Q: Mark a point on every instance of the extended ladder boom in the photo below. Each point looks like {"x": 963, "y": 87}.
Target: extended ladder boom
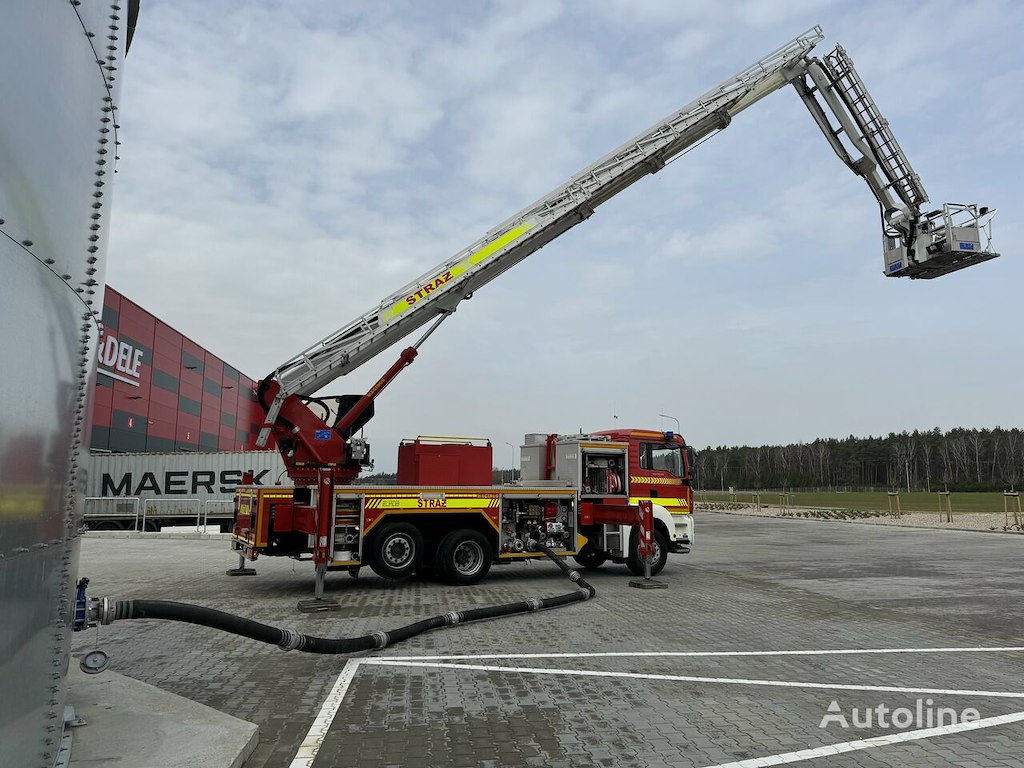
{"x": 916, "y": 244}
{"x": 439, "y": 291}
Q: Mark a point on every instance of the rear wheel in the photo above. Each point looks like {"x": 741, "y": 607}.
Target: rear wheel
{"x": 396, "y": 550}
{"x": 463, "y": 557}
{"x": 635, "y": 562}
{"x": 590, "y": 557}
{"x": 106, "y": 525}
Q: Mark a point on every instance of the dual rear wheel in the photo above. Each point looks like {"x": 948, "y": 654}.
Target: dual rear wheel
{"x": 396, "y": 551}
{"x": 462, "y": 557}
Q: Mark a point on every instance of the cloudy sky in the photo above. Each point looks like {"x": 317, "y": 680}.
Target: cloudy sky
{"x": 285, "y": 165}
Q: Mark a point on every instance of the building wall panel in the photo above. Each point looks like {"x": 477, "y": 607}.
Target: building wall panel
{"x": 159, "y": 390}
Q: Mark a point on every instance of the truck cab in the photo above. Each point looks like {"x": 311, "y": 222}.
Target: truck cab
{"x": 613, "y": 471}
{"x": 659, "y": 470}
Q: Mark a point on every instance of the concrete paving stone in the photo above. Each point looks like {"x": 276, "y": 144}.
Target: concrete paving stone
{"x": 751, "y": 584}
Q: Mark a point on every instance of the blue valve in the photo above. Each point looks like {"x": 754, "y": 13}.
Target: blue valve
{"x": 81, "y": 606}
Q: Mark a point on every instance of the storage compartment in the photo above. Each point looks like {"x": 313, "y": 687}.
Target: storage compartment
{"x": 444, "y": 461}
{"x": 603, "y": 474}
{"x": 347, "y": 525}
{"x": 592, "y": 464}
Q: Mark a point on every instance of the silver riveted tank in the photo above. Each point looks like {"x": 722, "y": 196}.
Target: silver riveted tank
{"x": 61, "y": 68}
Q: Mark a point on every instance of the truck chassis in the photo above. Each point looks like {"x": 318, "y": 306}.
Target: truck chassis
{"x": 456, "y": 532}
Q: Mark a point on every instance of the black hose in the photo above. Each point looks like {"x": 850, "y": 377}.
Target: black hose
{"x": 290, "y": 640}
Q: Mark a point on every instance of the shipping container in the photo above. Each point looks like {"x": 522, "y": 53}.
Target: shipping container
{"x": 152, "y": 490}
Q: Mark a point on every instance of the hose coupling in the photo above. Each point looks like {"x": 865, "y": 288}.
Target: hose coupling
{"x": 291, "y": 640}
{"x": 102, "y": 610}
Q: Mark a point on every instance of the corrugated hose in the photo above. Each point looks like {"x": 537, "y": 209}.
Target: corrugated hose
{"x": 291, "y": 640}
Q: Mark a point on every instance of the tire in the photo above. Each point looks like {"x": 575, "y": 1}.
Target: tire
{"x": 463, "y": 557}
{"x": 590, "y": 557}
{"x": 106, "y": 525}
{"x": 396, "y": 550}
{"x": 636, "y": 564}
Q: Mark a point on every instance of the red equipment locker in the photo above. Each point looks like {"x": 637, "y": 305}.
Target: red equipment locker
{"x": 428, "y": 461}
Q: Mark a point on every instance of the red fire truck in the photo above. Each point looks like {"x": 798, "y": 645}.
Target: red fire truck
{"x": 578, "y": 496}
{"x": 579, "y": 492}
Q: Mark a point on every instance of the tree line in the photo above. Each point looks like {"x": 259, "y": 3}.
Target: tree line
{"x": 958, "y": 460}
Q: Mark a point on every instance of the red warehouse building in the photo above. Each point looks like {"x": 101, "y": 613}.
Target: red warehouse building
{"x": 158, "y": 391}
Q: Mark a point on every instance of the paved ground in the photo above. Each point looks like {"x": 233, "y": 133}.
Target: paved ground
{"x": 751, "y": 586}
{"x": 966, "y": 521}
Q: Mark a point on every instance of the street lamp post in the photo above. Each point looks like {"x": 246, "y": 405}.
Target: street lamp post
{"x": 666, "y": 416}
{"x": 512, "y": 470}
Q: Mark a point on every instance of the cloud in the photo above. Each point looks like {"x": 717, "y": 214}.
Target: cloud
{"x": 286, "y": 165}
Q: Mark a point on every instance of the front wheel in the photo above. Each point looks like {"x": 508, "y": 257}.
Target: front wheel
{"x": 590, "y": 557}
{"x": 396, "y": 550}
{"x": 635, "y": 562}
{"x": 463, "y": 557}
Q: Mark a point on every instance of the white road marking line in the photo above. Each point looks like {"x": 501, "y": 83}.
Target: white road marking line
{"x": 638, "y": 654}
{"x": 877, "y": 741}
{"x": 310, "y": 747}
{"x": 693, "y": 679}
{"x": 322, "y": 724}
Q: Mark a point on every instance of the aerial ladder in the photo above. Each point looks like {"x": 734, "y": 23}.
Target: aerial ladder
{"x": 317, "y": 436}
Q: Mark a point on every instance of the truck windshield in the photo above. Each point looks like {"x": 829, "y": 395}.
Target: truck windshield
{"x": 666, "y": 457}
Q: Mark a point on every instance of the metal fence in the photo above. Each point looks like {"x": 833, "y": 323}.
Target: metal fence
{"x": 217, "y": 508}
{"x": 735, "y": 490}
{"x": 168, "y": 509}
{"x": 135, "y": 512}
{"x": 111, "y": 508}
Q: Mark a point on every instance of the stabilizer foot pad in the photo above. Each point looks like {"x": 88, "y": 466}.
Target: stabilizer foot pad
{"x": 240, "y": 571}
{"x": 316, "y": 606}
{"x": 648, "y": 584}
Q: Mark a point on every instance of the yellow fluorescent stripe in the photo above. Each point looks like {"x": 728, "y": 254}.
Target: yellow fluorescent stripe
{"x": 385, "y": 513}
{"x": 657, "y": 480}
{"x": 431, "y": 504}
{"x": 665, "y": 502}
{"x": 495, "y": 245}
{"x": 413, "y": 492}
{"x": 450, "y": 274}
